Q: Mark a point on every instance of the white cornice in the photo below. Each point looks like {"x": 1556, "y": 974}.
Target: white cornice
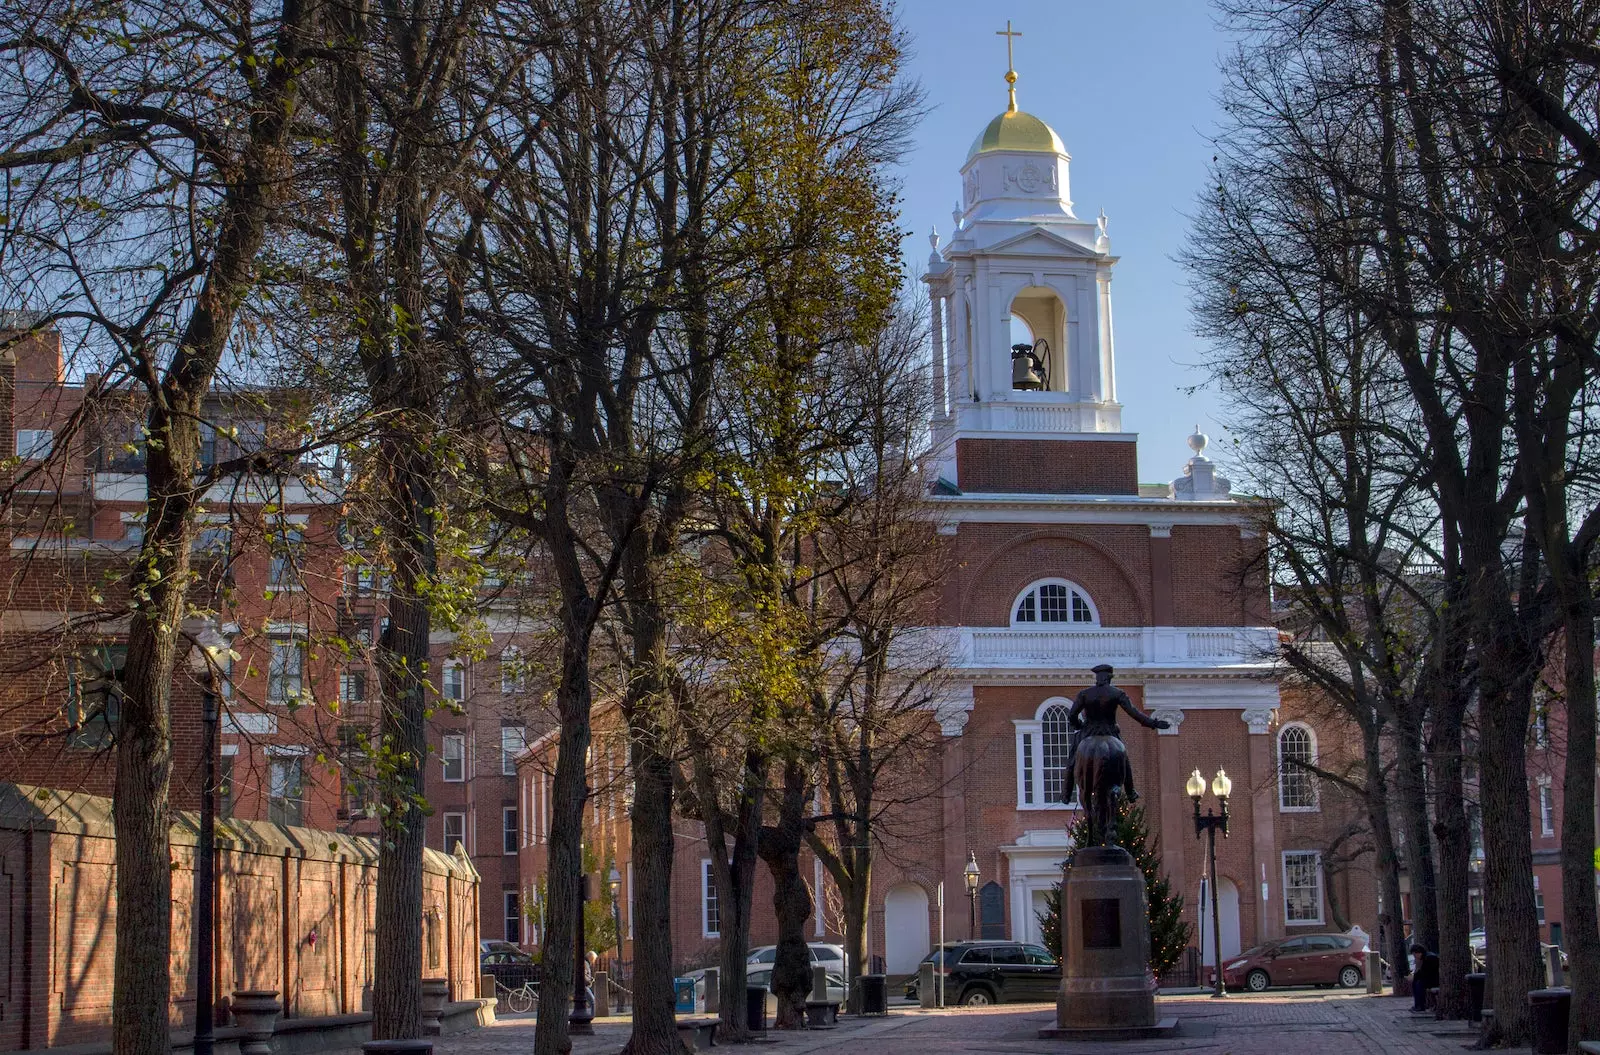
{"x": 982, "y": 508}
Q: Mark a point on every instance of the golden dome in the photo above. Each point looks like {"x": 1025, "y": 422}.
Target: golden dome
{"x": 1015, "y": 130}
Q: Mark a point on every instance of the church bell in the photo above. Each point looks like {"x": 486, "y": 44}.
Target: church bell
{"x": 1028, "y": 369}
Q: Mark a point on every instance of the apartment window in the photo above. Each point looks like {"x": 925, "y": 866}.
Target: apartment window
{"x": 94, "y": 696}
{"x": 285, "y": 669}
{"x": 1538, "y": 900}
{"x": 1547, "y": 807}
{"x": 352, "y": 686}
{"x": 454, "y": 680}
{"x": 710, "y": 919}
{"x": 508, "y": 822}
{"x": 1042, "y": 757}
{"x": 1302, "y": 886}
{"x": 1297, "y": 748}
{"x": 513, "y": 903}
{"x": 513, "y": 675}
{"x": 225, "y": 783}
{"x": 453, "y": 754}
{"x": 513, "y": 738}
{"x": 35, "y": 444}
{"x": 1541, "y": 726}
{"x": 1054, "y": 601}
{"x": 365, "y": 578}
{"x": 285, "y": 790}
{"x": 455, "y": 831}
{"x": 287, "y": 546}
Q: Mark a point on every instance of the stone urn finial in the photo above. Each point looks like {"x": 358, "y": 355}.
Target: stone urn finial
{"x": 256, "y": 1011}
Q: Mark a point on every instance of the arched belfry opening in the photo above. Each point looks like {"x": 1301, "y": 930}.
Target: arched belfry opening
{"x": 1039, "y": 320}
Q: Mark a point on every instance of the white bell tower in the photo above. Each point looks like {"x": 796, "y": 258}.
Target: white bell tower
{"x": 1019, "y": 253}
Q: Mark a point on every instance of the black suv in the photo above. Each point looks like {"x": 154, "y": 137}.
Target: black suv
{"x": 989, "y": 972}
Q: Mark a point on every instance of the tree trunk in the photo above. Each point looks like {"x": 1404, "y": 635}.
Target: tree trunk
{"x": 1454, "y": 840}
{"x": 655, "y": 1030}
{"x": 1505, "y": 697}
{"x": 1392, "y": 944}
{"x": 1582, "y": 932}
{"x": 791, "y": 901}
{"x": 734, "y": 874}
{"x": 1412, "y": 800}
{"x": 856, "y": 896}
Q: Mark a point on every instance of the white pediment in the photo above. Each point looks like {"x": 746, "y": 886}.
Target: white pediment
{"x": 1040, "y": 241}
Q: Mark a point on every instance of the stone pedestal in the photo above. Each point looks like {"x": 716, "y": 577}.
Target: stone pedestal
{"x": 1107, "y": 989}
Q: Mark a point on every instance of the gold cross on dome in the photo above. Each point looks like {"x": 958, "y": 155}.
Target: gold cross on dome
{"x": 1011, "y": 65}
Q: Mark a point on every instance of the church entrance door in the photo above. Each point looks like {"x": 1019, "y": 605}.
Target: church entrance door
{"x": 905, "y": 926}
{"x": 1228, "y": 906}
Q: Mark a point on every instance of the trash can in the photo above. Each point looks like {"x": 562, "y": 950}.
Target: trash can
{"x": 755, "y": 1008}
{"x": 874, "y": 994}
{"x": 683, "y": 992}
{"x": 1475, "y": 988}
{"x": 1548, "y": 1008}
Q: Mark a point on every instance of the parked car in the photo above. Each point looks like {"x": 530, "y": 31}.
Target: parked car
{"x": 822, "y": 955}
{"x": 512, "y": 968}
{"x": 762, "y": 976}
{"x": 1478, "y": 948}
{"x": 1305, "y": 959}
{"x": 991, "y": 972}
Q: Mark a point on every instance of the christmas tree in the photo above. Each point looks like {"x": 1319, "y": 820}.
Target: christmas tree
{"x": 1169, "y": 934}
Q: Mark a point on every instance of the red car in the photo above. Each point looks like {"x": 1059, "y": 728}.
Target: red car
{"x": 1305, "y": 959}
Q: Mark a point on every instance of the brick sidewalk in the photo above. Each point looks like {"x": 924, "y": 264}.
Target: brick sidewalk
{"x": 1290, "y": 1023}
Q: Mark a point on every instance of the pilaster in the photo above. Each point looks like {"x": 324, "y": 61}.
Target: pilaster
{"x": 1264, "y": 827}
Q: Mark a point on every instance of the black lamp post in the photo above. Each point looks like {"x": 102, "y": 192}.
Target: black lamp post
{"x": 1209, "y": 824}
{"x": 204, "y": 659}
{"x": 972, "y": 875}
{"x": 581, "y": 1020}
{"x": 614, "y": 881}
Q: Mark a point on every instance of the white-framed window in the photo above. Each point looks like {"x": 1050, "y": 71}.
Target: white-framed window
{"x": 1541, "y": 726}
{"x": 513, "y": 675}
{"x": 1302, "y": 886}
{"x": 453, "y": 756}
{"x": 288, "y": 548}
{"x": 1054, "y": 601}
{"x": 513, "y": 903}
{"x": 453, "y": 680}
{"x": 285, "y": 669}
{"x": 455, "y": 831}
{"x": 35, "y": 445}
{"x": 710, "y": 918}
{"x": 1042, "y": 743}
{"x": 286, "y": 796}
{"x": 352, "y": 686}
{"x": 508, "y": 824}
{"x": 1547, "y": 807}
{"x": 513, "y": 738}
{"x": 1538, "y": 901}
{"x": 1297, "y": 786}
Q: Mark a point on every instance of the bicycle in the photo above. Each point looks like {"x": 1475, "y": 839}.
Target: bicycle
{"x": 520, "y": 1000}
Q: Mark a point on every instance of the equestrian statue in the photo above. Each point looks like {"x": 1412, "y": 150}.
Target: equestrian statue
{"x": 1097, "y": 761}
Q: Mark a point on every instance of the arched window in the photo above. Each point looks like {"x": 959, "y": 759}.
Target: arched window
{"x": 1054, "y": 601}
{"x": 1053, "y": 734}
{"x": 1042, "y": 743}
{"x": 1297, "y": 786}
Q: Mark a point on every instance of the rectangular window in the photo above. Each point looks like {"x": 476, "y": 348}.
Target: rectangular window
{"x": 287, "y": 548}
{"x": 285, "y": 669}
{"x": 94, "y": 696}
{"x": 35, "y": 445}
{"x": 208, "y": 445}
{"x": 455, "y": 681}
{"x": 508, "y": 815}
{"x": 710, "y": 919}
{"x": 1541, "y": 727}
{"x": 513, "y": 902}
{"x": 453, "y": 753}
{"x": 225, "y": 787}
{"x": 513, "y": 738}
{"x": 1547, "y": 809}
{"x": 1027, "y": 769}
{"x": 285, "y": 791}
{"x": 1302, "y": 886}
{"x": 455, "y": 831}
{"x": 352, "y": 686}
{"x": 513, "y": 673}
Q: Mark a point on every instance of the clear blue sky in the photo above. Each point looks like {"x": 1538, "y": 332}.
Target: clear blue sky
{"x": 1129, "y": 86}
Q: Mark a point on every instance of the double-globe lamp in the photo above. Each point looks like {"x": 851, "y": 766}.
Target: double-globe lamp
{"x": 1209, "y": 824}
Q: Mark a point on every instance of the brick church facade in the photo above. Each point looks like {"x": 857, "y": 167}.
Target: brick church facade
{"x": 1059, "y": 560}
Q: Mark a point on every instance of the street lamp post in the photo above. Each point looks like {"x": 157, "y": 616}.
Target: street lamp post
{"x": 972, "y": 875}
{"x": 1210, "y": 824}
{"x": 614, "y": 881}
{"x": 581, "y": 1021}
{"x": 203, "y": 662}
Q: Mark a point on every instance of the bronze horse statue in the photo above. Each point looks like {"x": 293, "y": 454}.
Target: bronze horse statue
{"x": 1099, "y": 764}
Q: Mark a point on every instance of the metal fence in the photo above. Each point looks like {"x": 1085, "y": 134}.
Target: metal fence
{"x": 1185, "y": 974}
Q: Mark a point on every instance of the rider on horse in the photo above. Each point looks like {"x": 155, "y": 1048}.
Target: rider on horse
{"x": 1094, "y": 713}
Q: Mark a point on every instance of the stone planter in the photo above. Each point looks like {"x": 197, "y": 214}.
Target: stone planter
{"x": 255, "y": 1011}
{"x": 435, "y": 991}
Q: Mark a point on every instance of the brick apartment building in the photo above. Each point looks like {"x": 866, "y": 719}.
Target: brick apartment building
{"x": 1059, "y": 559}
{"x": 285, "y": 582}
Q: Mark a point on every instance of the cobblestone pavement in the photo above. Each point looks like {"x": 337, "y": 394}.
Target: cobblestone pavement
{"x": 1290, "y": 1023}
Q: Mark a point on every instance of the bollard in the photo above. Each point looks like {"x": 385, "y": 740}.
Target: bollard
{"x": 1552, "y": 966}
{"x": 819, "y": 984}
{"x": 1374, "y": 974}
{"x": 713, "y": 990}
{"x": 927, "y": 996}
{"x": 602, "y": 995}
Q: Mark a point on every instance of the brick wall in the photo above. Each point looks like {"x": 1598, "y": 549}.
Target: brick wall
{"x": 1057, "y": 467}
{"x": 294, "y": 913}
